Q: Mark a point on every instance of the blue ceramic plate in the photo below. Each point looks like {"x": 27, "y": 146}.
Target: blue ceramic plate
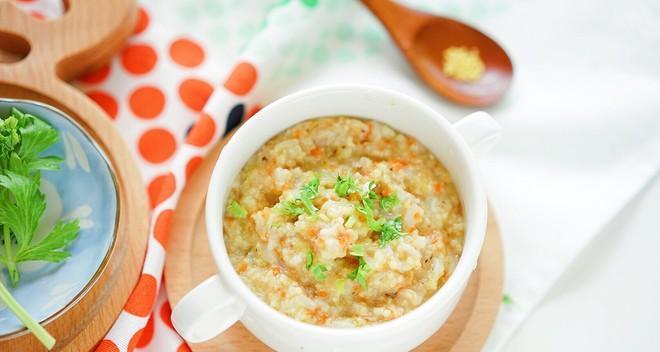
{"x": 83, "y": 188}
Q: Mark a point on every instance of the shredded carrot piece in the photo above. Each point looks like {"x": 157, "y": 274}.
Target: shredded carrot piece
{"x": 398, "y": 164}
{"x": 242, "y": 267}
{"x": 298, "y": 133}
{"x": 316, "y": 151}
{"x": 437, "y": 187}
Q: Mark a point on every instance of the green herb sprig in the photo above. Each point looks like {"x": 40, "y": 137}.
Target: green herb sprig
{"x": 236, "y": 210}
{"x": 23, "y": 138}
{"x": 345, "y": 186}
{"x": 389, "y": 202}
{"x": 359, "y": 274}
{"x": 318, "y": 270}
{"x": 303, "y": 202}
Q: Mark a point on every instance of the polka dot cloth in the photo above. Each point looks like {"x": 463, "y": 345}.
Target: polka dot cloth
{"x": 170, "y": 102}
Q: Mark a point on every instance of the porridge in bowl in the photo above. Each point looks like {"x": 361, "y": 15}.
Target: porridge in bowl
{"x": 343, "y": 222}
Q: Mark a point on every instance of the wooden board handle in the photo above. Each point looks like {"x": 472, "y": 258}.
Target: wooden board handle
{"x": 84, "y": 37}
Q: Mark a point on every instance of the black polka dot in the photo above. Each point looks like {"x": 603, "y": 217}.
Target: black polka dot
{"x": 235, "y": 117}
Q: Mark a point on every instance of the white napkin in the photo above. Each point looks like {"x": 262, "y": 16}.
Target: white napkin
{"x": 581, "y": 122}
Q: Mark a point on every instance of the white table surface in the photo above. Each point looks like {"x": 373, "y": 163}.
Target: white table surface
{"x": 609, "y": 300}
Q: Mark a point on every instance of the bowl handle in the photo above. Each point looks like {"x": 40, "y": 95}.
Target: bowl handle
{"x": 206, "y": 311}
{"x": 480, "y": 131}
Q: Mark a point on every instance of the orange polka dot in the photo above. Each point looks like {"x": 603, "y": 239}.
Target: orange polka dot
{"x": 138, "y": 58}
{"x": 242, "y": 79}
{"x": 183, "y": 348}
{"x": 202, "y": 132}
{"x": 162, "y": 226}
{"x": 192, "y": 165}
{"x": 186, "y": 52}
{"x": 166, "y": 314}
{"x": 195, "y": 92}
{"x": 142, "y": 21}
{"x": 253, "y": 110}
{"x": 161, "y": 188}
{"x": 143, "y": 297}
{"x": 156, "y": 145}
{"x": 147, "y": 333}
{"x": 97, "y": 76}
{"x": 147, "y": 102}
{"x": 132, "y": 343}
{"x": 106, "y": 346}
{"x": 105, "y": 101}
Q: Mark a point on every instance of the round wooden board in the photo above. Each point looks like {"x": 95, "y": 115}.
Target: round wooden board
{"x": 189, "y": 262}
{"x": 37, "y": 58}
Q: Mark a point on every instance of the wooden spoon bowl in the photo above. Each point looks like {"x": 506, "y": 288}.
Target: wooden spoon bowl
{"x": 423, "y": 39}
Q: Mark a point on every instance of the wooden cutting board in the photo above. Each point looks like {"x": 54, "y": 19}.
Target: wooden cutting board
{"x": 37, "y": 59}
{"x": 189, "y": 262}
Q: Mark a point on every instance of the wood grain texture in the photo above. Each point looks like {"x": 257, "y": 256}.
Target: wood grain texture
{"x": 84, "y": 38}
{"x": 189, "y": 262}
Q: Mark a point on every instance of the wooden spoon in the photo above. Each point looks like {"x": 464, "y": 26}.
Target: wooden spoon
{"x": 423, "y": 38}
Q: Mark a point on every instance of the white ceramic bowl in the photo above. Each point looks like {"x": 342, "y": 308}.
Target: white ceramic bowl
{"x": 222, "y": 300}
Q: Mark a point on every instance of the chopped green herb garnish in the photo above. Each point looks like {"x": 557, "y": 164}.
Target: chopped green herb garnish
{"x": 387, "y": 203}
{"x": 291, "y": 208}
{"x": 350, "y": 221}
{"x": 303, "y": 202}
{"x": 308, "y": 192}
{"x": 236, "y": 210}
{"x": 506, "y": 299}
{"x": 370, "y": 196}
{"x": 357, "y": 250}
{"x": 319, "y": 271}
{"x": 359, "y": 274}
{"x": 310, "y": 260}
{"x": 391, "y": 230}
{"x": 345, "y": 186}
{"x": 368, "y": 212}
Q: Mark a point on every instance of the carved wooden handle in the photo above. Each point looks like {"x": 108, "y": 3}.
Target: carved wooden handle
{"x": 84, "y": 37}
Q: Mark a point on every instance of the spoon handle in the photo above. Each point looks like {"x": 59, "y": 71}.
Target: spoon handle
{"x": 400, "y": 21}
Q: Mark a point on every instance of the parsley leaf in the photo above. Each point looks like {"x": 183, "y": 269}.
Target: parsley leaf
{"x": 368, "y": 212}
{"x": 391, "y": 230}
{"x": 359, "y": 274}
{"x": 357, "y": 250}
{"x": 308, "y": 192}
{"x": 236, "y": 210}
{"x": 310, "y": 260}
{"x": 345, "y": 186}
{"x": 23, "y": 138}
{"x": 291, "y": 208}
{"x": 370, "y": 196}
{"x": 317, "y": 270}
{"x": 387, "y": 203}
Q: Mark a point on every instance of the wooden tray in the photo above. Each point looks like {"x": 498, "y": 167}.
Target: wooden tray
{"x": 37, "y": 58}
{"x": 189, "y": 262}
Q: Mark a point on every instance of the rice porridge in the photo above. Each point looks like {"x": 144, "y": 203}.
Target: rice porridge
{"x": 343, "y": 222}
